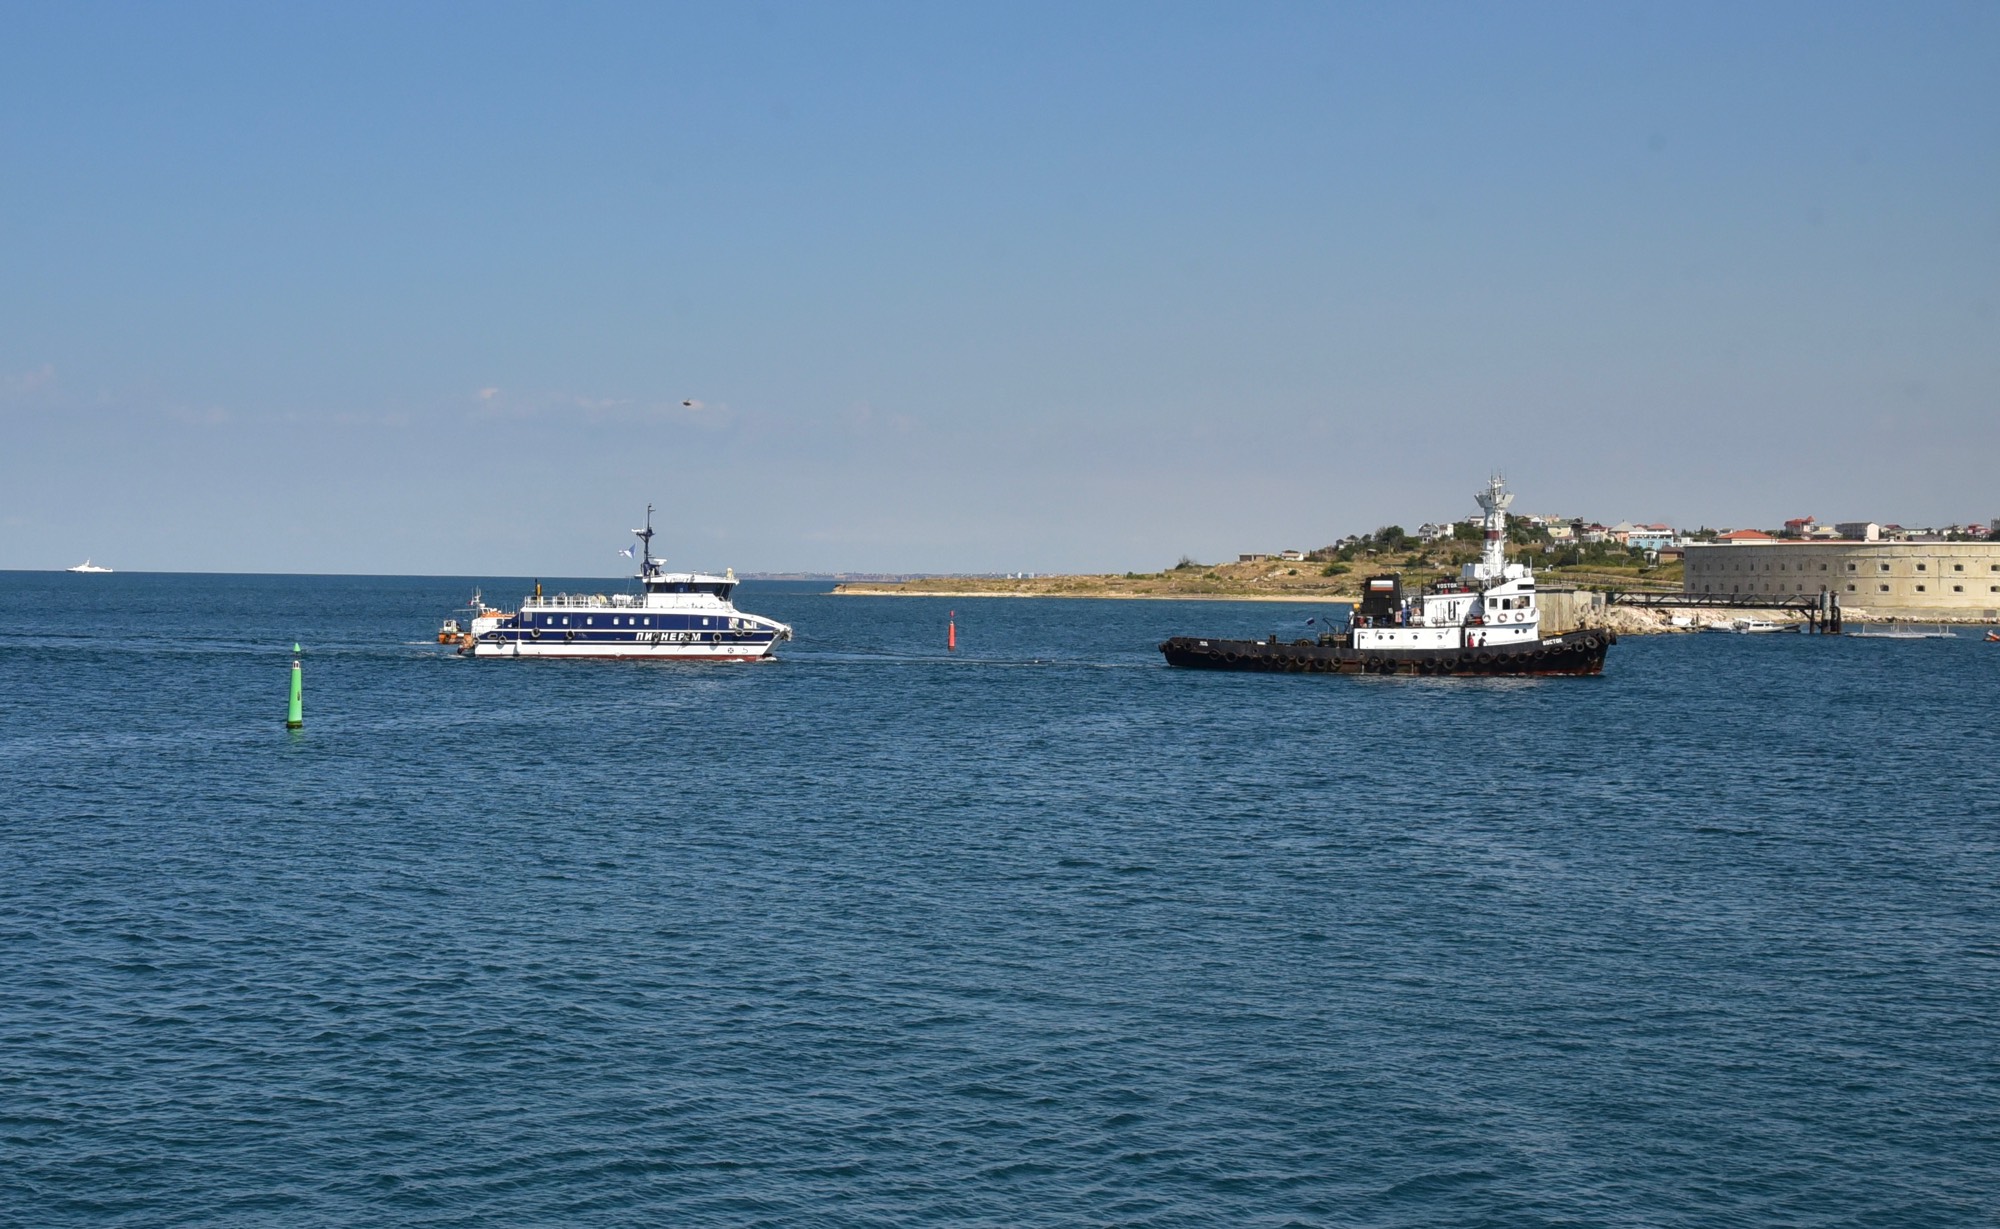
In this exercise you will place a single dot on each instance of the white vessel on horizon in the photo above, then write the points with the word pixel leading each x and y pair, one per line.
pixel 88 566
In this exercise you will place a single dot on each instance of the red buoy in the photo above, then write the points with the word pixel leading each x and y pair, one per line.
pixel 951 633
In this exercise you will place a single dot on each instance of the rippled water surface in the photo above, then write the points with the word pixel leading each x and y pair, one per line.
pixel 1041 933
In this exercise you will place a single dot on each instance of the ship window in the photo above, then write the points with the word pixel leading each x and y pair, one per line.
pixel 590 622
pixel 565 620
pixel 649 621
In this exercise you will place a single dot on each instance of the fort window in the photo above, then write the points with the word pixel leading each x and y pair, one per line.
pixel 1923 567
pixel 1822 567
pixel 1885 588
pixel 1850 588
pixel 1850 567
pixel 1920 588
pixel 1958 588
pixel 1958 567
pixel 1883 566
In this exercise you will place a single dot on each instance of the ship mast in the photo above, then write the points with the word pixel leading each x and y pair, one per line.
pixel 1493 501
pixel 647 564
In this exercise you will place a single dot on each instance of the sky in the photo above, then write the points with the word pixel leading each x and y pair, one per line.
pixel 460 289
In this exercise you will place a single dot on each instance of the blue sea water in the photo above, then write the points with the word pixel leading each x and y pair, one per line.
pixel 1039 933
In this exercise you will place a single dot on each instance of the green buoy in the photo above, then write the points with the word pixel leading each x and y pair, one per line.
pixel 295 713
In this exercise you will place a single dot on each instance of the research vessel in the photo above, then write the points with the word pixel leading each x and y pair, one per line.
pixel 673 616
pixel 1486 622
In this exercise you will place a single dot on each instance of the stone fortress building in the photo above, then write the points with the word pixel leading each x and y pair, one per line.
pixel 1888 580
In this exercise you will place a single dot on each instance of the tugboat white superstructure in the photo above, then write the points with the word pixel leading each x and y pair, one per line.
pixel 676 616
pixel 1485 622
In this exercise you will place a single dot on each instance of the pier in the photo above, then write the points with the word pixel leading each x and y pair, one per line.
pixel 1821 609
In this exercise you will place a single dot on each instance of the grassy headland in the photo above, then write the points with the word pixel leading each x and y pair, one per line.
pixel 1332 573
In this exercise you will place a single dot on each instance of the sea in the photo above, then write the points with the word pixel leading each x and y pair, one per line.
pixel 1039 932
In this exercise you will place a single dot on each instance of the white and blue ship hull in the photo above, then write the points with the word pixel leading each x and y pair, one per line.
pixel 640 634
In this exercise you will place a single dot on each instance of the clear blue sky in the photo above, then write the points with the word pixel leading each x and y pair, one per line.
pixel 422 288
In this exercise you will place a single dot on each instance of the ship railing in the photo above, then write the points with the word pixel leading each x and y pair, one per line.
pixel 586 601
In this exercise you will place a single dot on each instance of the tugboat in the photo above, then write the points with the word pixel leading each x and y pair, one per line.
pixel 1486 622
pixel 675 616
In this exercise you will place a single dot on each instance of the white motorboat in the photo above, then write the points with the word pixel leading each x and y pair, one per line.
pixel 88 566
pixel 1746 626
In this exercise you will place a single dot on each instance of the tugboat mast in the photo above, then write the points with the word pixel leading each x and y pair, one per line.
pixel 1493 501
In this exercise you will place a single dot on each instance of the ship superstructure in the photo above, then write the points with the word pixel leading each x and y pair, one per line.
pixel 671 616
pixel 1491 605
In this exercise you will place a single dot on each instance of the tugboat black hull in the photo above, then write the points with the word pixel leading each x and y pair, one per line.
pixel 1572 653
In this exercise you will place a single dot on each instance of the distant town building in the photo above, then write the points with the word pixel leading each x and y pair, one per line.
pixel 1799 527
pixel 1252 558
pixel 1745 535
pixel 1645 537
pixel 1559 532
pixel 1904 580
pixel 1859 531
pixel 1428 533
pixel 1292 556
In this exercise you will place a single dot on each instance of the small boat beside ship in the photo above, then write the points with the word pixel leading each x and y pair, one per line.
pixel 674 616
pixel 1486 622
